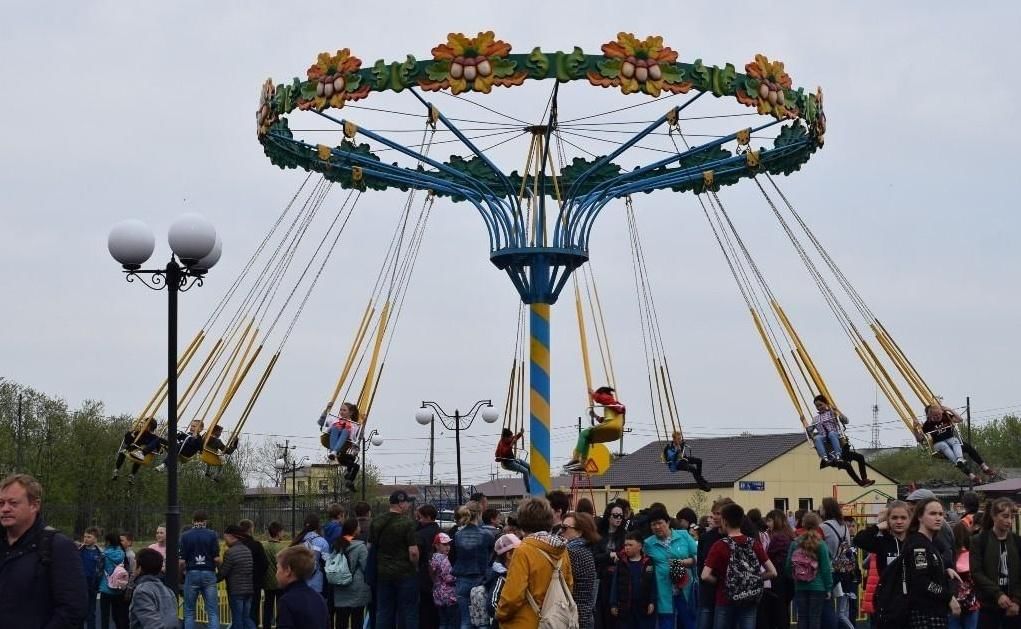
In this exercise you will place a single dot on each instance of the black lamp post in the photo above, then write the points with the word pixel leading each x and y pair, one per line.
pixel 195 244
pixel 374 439
pixel 425 417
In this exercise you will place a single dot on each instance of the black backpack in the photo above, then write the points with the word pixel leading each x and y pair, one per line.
pixel 891 598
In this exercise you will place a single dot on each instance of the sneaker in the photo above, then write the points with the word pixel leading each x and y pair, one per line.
pixel 574 468
pixel 824 463
pixel 116 474
pixel 975 478
pixel 350 486
pixel 703 484
pixel 868 482
pixel 131 479
pixel 162 467
pixel 332 457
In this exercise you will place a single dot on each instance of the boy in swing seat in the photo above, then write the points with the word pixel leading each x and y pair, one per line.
pixel 148 442
pixel 607 427
pixel 505 456
pixel 217 446
pixel 190 443
pixel 677 454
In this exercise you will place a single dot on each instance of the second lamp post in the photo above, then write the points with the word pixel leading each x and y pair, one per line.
pixel 425 416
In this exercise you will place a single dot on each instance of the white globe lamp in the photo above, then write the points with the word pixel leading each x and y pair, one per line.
pixel 131 243
pixel 490 414
pixel 423 416
pixel 377 440
pixel 192 238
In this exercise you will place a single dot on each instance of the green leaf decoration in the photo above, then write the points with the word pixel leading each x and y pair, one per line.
pixel 791 134
pixel 403 73
pixel 701 76
pixel 308 90
pixel 570 66
pixel 723 80
pixel 537 64
pixel 672 73
pixel 438 71
pixel 610 68
pixel 579 165
pixel 381 71
pixel 502 67
pixel 352 81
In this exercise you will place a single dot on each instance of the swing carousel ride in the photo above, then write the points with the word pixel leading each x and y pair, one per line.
pixel 538 222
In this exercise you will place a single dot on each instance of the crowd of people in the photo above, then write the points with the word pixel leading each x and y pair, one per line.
pixel 919 566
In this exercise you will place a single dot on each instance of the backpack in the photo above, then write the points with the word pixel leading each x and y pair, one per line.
pixel 559 611
pixel 338 570
pixel 118 579
pixel 844 559
pixel 478 607
pixel 804 566
pixel 891 597
pixel 743 583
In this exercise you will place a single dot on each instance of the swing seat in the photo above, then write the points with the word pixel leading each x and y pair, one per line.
pixel 211 458
pixel 610 429
pixel 142 458
pixel 324 439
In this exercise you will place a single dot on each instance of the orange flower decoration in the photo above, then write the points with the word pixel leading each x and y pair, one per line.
pixel 765 88
pixel 336 80
pixel 639 66
pixel 471 63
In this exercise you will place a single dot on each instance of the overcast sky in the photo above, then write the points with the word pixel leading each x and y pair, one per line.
pixel 116 110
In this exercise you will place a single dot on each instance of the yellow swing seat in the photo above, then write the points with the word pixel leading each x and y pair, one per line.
pixel 211 458
pixel 598 459
pixel 141 458
pixel 610 429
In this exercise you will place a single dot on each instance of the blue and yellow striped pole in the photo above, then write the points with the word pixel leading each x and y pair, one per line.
pixel 539 357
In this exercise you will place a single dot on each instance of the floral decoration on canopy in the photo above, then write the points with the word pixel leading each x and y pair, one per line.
pixel 768 88
pixel 333 79
pixel 471 63
pixel 819 124
pixel 266 115
pixel 639 66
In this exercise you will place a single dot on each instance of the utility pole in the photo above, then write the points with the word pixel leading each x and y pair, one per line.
pixel 18 435
pixel 875 423
pixel 967 415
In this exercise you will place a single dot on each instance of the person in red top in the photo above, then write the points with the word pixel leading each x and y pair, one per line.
pixel 505 457
pixel 731 613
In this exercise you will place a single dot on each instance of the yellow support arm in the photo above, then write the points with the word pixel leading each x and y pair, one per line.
pixel 255 396
pixel 370 375
pixel 160 395
pixel 582 337
pixel 784 377
pixel 820 384
pixel 356 346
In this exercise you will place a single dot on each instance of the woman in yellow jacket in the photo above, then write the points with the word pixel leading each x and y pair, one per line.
pixel 530 570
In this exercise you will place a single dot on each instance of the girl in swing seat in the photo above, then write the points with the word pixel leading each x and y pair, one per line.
pixel 608 428
pixel 827 431
pixel 505 456
pixel 940 424
pixel 341 430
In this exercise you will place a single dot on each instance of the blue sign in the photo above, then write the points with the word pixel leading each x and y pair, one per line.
pixel 751 485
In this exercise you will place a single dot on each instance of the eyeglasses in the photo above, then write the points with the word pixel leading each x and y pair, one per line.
pixel 616 515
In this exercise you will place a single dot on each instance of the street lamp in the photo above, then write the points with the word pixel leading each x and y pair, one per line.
pixel 292 467
pixel 375 439
pixel 426 417
pixel 194 242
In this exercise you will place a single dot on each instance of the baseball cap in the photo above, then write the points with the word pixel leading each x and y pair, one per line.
pixel 398 497
pixel 441 538
pixel 920 494
pixel 506 542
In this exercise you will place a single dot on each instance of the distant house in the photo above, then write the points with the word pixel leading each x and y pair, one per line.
pixel 778 471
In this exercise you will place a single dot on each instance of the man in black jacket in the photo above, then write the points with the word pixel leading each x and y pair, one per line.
pixel 40 573
pixel 428 618
pixel 260 563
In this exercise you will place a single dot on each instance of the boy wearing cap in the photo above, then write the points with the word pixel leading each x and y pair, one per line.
pixel 393 538
pixel 236 569
pixel 444 595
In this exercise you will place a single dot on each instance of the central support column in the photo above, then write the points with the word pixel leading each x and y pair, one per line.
pixel 539 407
